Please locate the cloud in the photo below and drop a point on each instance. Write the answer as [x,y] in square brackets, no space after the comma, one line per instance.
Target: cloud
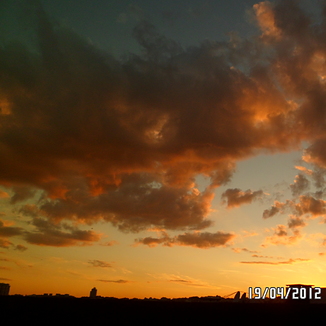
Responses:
[304,170]
[283,236]
[21,193]
[196,239]
[122,141]
[310,205]
[20,248]
[109,243]
[236,197]
[306,205]
[238,250]
[295,222]
[99,263]
[9,231]
[300,185]
[182,280]
[287,262]
[261,256]
[185,282]
[51,234]
[115,281]
[275,209]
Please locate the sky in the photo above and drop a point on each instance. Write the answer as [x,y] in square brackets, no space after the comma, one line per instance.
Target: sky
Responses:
[166,149]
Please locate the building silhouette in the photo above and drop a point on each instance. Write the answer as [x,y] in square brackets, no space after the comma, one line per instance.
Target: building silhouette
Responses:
[93,293]
[4,289]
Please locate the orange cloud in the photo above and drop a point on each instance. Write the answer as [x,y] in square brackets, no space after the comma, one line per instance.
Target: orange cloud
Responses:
[122,141]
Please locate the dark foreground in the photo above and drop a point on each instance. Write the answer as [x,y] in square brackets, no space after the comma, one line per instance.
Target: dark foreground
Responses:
[72,311]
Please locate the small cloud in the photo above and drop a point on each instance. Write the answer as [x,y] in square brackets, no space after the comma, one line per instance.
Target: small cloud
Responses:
[300,185]
[20,248]
[99,263]
[281,236]
[287,262]
[304,170]
[238,250]
[109,243]
[115,281]
[296,222]
[236,197]
[275,209]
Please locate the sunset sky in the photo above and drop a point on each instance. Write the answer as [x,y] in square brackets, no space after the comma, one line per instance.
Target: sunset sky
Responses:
[162,148]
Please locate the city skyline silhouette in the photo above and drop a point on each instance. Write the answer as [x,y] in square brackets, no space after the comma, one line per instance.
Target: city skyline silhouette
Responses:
[168,151]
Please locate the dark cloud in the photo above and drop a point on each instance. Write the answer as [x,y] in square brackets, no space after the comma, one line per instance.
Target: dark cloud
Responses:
[115,281]
[21,194]
[99,263]
[122,141]
[236,197]
[51,234]
[301,184]
[295,222]
[205,239]
[310,205]
[9,231]
[195,239]
[20,248]
[275,209]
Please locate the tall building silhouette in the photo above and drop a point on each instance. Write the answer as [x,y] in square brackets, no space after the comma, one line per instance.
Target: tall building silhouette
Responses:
[4,289]
[93,293]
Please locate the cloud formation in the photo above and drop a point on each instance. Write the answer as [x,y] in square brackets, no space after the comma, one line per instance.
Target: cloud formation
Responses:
[236,197]
[122,141]
[58,235]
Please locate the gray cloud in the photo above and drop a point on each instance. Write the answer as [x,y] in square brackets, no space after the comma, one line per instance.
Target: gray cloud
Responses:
[236,197]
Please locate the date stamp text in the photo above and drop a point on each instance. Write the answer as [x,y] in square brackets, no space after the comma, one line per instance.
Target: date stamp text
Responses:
[303,293]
